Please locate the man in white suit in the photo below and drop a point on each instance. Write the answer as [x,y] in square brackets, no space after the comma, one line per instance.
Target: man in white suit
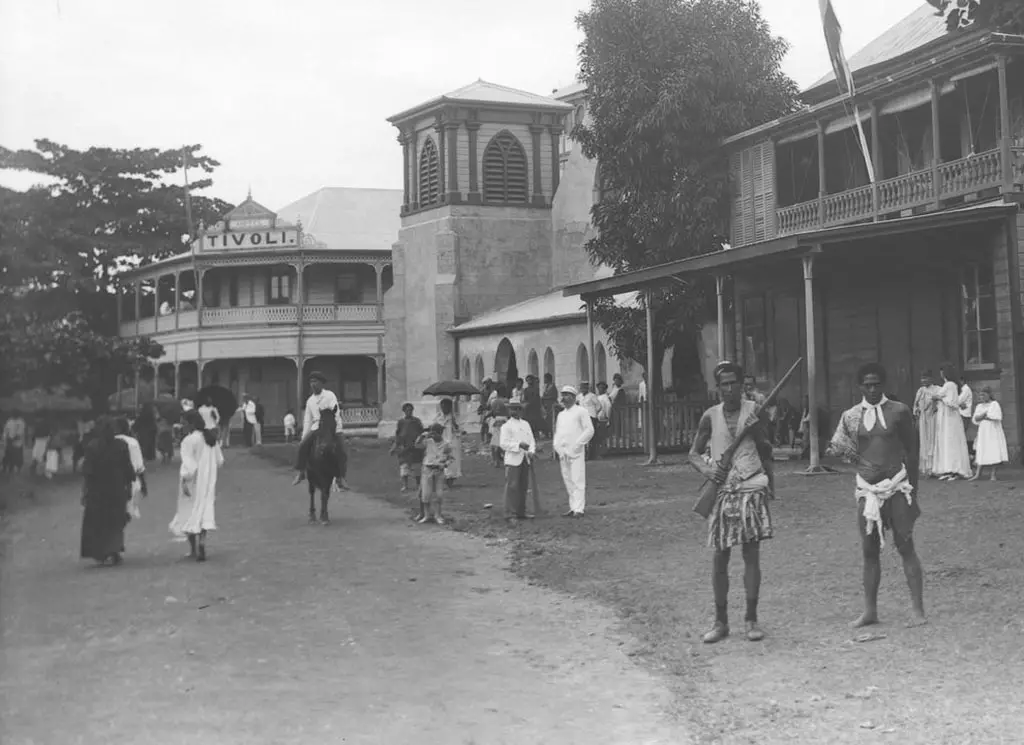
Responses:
[573,431]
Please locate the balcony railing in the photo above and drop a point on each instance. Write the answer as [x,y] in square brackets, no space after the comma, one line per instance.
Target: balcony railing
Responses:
[254,315]
[956,178]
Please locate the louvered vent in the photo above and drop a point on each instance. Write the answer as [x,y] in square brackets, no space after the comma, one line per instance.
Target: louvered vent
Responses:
[430,178]
[505,174]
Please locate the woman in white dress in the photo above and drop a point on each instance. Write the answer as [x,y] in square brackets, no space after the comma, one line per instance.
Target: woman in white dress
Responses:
[197,486]
[453,436]
[951,459]
[990,444]
[925,407]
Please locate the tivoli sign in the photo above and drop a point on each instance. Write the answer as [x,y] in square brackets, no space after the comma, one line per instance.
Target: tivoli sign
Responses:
[251,240]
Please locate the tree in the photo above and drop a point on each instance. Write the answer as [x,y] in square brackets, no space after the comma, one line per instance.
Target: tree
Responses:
[62,245]
[666,81]
[1003,15]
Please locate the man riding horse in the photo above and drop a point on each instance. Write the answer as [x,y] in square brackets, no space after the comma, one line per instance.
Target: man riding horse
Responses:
[327,462]
[320,399]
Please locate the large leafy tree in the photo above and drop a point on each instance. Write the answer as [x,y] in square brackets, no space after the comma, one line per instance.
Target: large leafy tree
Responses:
[1004,15]
[666,81]
[62,245]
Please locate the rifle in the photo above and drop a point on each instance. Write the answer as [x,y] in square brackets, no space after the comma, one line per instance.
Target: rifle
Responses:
[534,492]
[709,491]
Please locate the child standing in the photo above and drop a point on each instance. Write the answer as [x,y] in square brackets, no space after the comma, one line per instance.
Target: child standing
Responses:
[437,455]
[289,426]
[497,454]
[990,443]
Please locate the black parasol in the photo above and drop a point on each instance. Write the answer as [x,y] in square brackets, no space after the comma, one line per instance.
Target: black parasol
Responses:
[450,388]
[223,401]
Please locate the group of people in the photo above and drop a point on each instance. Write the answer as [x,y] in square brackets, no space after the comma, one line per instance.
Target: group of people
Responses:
[429,458]
[945,415]
[114,480]
[878,435]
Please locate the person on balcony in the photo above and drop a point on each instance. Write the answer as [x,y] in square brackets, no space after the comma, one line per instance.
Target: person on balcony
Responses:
[321,398]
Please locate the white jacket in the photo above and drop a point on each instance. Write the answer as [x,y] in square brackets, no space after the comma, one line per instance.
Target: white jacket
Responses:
[514,432]
[573,430]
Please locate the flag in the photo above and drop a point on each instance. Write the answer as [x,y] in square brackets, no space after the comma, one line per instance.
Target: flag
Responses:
[844,76]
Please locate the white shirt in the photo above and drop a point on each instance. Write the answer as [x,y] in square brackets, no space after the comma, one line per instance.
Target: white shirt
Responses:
[14,430]
[250,411]
[573,430]
[606,407]
[642,391]
[517,395]
[211,418]
[591,404]
[513,432]
[965,401]
[134,452]
[311,419]
[289,420]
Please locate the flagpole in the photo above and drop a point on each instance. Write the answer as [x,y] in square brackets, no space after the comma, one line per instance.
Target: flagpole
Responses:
[188,196]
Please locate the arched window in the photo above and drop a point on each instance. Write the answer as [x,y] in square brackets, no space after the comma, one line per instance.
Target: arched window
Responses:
[466,369]
[602,363]
[505,173]
[532,365]
[480,375]
[549,363]
[430,174]
[582,365]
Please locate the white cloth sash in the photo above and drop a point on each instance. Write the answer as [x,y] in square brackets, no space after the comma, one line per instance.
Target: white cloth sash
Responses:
[875,495]
[871,412]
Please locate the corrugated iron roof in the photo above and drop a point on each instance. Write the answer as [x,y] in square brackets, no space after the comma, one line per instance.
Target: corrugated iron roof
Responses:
[482,91]
[550,307]
[917,29]
[347,219]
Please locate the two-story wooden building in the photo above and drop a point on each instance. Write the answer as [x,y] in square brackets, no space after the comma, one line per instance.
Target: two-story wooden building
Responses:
[262,299]
[920,267]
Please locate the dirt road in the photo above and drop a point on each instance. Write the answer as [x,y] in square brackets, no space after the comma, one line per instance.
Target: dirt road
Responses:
[370,630]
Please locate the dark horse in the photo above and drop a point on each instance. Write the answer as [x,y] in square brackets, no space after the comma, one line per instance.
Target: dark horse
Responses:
[326,463]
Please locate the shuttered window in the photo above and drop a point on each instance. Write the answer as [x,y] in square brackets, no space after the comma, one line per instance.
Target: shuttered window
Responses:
[752,213]
[505,173]
[430,177]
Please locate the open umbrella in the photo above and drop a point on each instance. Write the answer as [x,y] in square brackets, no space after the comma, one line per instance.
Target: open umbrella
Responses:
[223,400]
[450,388]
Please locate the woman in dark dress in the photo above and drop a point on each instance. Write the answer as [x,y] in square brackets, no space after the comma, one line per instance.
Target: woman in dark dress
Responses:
[145,431]
[107,488]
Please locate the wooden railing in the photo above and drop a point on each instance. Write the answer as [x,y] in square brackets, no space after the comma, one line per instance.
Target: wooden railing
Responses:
[676,426]
[333,313]
[360,415]
[957,178]
[253,315]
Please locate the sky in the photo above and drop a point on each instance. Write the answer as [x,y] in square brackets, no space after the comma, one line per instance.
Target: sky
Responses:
[293,96]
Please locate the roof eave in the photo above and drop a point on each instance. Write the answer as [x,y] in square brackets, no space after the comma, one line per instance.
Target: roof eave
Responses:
[426,108]
[559,320]
[982,42]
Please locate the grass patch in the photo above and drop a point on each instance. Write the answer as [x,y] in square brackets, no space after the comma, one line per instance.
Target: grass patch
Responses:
[642,551]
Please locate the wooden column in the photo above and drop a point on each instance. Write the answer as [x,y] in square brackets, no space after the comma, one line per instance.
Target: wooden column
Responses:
[936,147]
[821,174]
[472,128]
[379,268]
[1005,153]
[591,362]
[812,365]
[135,393]
[138,305]
[300,363]
[556,158]
[876,159]
[199,274]
[177,381]
[720,292]
[403,140]
[177,303]
[379,359]
[652,427]
[538,190]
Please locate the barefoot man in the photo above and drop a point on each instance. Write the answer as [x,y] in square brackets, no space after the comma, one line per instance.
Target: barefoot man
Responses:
[880,437]
[740,515]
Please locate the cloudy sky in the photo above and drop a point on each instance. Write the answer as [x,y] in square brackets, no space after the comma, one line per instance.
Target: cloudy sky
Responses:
[292,96]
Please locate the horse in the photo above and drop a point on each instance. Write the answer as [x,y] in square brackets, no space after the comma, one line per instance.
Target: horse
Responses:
[326,463]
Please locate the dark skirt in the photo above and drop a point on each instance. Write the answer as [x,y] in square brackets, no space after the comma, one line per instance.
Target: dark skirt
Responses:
[103,526]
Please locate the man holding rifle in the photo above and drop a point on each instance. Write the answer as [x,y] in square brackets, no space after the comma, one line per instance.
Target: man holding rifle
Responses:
[745,483]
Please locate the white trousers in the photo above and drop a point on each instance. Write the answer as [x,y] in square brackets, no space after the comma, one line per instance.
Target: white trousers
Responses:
[574,474]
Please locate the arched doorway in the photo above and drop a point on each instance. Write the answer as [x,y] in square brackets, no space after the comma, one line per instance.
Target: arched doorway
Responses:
[480,373]
[466,370]
[532,365]
[602,364]
[549,363]
[505,367]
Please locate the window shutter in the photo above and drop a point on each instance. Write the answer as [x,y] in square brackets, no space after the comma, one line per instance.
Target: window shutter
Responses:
[736,232]
[506,176]
[747,193]
[430,178]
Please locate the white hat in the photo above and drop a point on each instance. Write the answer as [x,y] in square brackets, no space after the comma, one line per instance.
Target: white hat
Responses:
[570,389]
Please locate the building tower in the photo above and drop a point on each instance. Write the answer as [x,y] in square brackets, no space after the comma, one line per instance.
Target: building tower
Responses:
[481,166]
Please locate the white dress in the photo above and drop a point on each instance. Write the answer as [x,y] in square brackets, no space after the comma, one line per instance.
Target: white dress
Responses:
[951,455]
[199,464]
[453,436]
[990,444]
